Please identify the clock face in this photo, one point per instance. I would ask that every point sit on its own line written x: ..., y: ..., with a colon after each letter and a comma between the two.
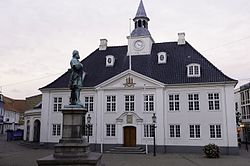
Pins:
x: 138, y: 45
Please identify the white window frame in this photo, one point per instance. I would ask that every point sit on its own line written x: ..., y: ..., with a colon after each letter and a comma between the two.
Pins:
x: 196, y: 132
x: 174, y: 131
x: 193, y: 102
x: 110, y: 130
x: 130, y: 104
x: 215, y: 131
x: 173, y: 102
x: 111, y: 104
x: 149, y: 130
x: 56, y: 129
x: 214, y: 102
x: 89, y: 104
x: 191, y: 70
x: 57, y: 103
x: 148, y: 103
x: 164, y: 55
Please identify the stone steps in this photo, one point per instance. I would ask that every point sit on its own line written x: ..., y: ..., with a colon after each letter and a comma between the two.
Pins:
x: 126, y: 150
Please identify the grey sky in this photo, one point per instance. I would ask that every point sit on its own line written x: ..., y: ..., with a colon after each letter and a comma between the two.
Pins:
x: 38, y: 36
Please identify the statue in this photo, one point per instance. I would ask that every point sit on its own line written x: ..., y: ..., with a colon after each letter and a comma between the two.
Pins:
x: 76, y: 79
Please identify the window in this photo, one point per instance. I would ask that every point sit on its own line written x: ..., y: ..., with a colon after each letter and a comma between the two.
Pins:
x: 111, y: 103
x: 194, y: 131
x: 89, y: 130
x: 89, y: 102
x: 175, y: 131
x: 193, y: 70
x: 57, y: 103
x: 162, y: 57
x: 247, y: 97
x: 215, y: 131
x: 174, y: 104
x: 56, y: 129
x: 245, y: 112
x: 148, y: 103
x: 110, y: 60
x: 193, y: 102
x: 110, y: 130
x: 129, y: 103
x: 213, y: 101
x: 149, y: 130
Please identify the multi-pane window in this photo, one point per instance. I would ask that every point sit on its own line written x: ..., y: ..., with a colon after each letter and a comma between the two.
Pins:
x: 193, y: 70
x: 193, y: 102
x: 110, y: 130
x: 148, y: 102
x: 111, y: 103
x: 56, y: 129
x: 175, y: 131
x: 89, y: 102
x: 194, y: 131
x: 57, y: 103
x: 213, y: 101
x: 149, y: 130
x: 245, y: 112
x: 129, y: 103
x: 215, y: 131
x: 89, y: 130
x: 174, y: 102
x: 245, y: 104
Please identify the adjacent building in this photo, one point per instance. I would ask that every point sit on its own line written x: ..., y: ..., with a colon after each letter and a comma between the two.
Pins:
x: 125, y: 85
x: 242, y: 105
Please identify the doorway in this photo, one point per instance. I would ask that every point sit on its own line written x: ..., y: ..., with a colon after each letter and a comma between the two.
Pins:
x: 37, y: 125
x: 129, y: 133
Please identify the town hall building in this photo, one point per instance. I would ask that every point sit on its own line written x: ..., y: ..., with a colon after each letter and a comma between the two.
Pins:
x: 125, y: 86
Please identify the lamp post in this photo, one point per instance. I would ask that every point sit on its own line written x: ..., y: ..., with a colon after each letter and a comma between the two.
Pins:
x: 154, y: 126
x: 88, y: 125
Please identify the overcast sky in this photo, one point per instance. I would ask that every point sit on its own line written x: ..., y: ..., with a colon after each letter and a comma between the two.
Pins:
x: 37, y: 37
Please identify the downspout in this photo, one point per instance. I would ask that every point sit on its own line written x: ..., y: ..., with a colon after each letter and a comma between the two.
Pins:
x: 164, y: 121
x: 225, y: 103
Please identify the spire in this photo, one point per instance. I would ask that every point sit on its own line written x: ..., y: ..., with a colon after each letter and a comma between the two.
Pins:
x: 141, y: 22
x: 141, y: 11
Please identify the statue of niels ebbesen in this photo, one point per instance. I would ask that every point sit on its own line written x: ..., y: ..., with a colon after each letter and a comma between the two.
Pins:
x: 76, y: 79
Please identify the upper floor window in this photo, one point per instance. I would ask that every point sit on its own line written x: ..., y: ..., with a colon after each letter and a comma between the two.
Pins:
x: 245, y: 112
x: 193, y: 70
x: 162, y: 57
x: 110, y: 61
x: 57, y: 103
x: 174, y: 102
x: 213, y: 101
x: 148, y: 103
x: 89, y: 102
x: 193, y: 102
x: 245, y: 97
x: 129, y: 103
x: 111, y: 103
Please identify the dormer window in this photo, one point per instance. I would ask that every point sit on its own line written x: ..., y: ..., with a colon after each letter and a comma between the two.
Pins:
x: 110, y: 61
x: 162, y: 57
x: 193, y: 70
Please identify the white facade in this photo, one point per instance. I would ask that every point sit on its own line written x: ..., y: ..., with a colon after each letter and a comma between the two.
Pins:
x: 31, y: 117
x: 224, y: 116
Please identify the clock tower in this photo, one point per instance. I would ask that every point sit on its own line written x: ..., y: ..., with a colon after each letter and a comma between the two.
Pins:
x: 140, y: 40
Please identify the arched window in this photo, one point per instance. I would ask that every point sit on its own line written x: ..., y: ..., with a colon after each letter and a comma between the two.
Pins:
x: 193, y: 70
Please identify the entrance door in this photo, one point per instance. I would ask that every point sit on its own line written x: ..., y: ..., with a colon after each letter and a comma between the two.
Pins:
x: 129, y: 133
x: 36, y: 137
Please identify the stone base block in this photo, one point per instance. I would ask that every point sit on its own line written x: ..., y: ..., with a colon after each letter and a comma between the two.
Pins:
x: 93, y: 159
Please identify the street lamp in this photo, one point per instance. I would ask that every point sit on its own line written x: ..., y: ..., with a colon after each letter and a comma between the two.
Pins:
x: 88, y: 125
x: 154, y: 126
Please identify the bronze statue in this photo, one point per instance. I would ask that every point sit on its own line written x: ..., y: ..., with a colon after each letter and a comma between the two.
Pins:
x: 76, y: 79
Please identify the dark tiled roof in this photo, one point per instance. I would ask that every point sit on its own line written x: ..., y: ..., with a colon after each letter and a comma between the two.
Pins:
x: 173, y: 72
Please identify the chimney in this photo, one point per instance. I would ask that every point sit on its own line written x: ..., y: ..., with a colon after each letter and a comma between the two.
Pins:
x: 181, y: 38
x: 103, y: 44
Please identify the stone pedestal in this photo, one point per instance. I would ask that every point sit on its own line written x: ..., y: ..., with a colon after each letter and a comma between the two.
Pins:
x: 72, y: 149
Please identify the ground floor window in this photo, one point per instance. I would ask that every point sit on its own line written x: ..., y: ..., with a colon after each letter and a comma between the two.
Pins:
x: 110, y: 130
x: 56, y: 129
x: 194, y: 131
x: 215, y: 131
x: 89, y: 130
x: 149, y: 130
x: 175, y: 131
